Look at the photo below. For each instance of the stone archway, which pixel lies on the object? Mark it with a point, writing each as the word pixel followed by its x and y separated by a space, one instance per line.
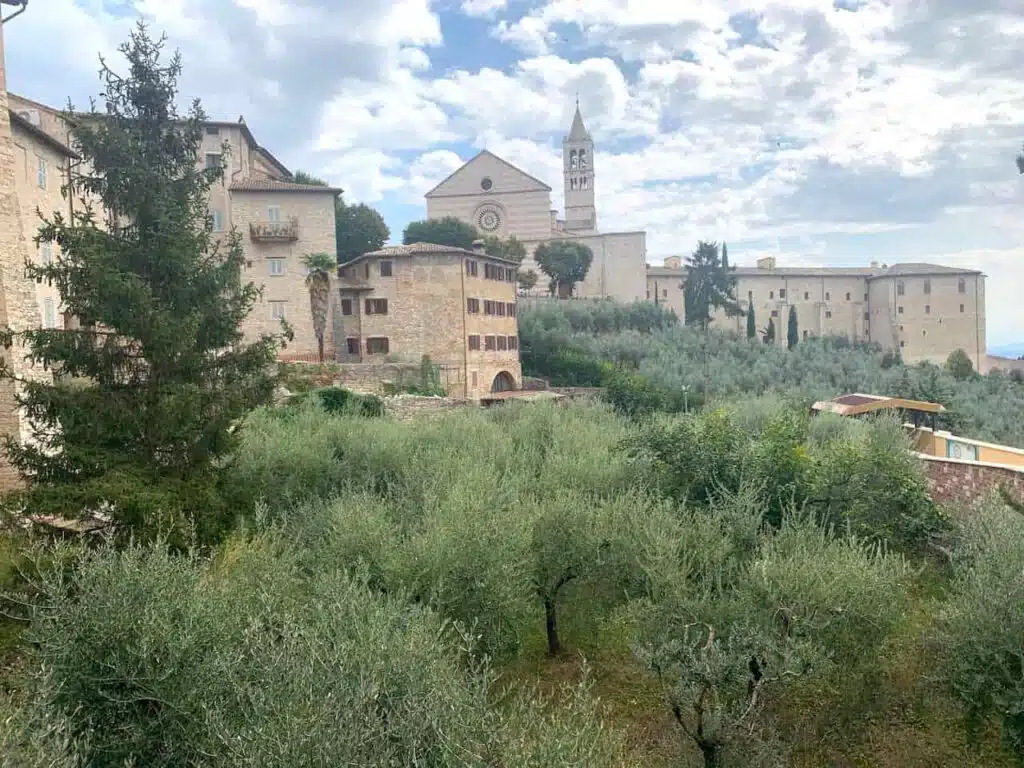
pixel 503 382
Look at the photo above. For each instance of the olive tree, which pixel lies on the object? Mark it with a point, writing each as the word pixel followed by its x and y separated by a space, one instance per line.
pixel 722 644
pixel 981 630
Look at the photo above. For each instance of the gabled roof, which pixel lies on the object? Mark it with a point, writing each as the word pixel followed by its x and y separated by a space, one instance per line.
pixel 272 185
pixel 414 249
pixel 487 153
pixel 42 136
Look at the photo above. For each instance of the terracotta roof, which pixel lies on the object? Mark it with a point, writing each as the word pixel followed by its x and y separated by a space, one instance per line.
pixel 413 249
pixel 923 269
pixel 42 136
pixel 270 185
pixel 858 403
pixel 870 273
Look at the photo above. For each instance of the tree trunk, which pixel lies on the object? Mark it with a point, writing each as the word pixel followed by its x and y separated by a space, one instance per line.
pixel 320 347
pixel 712 752
pixel 551 625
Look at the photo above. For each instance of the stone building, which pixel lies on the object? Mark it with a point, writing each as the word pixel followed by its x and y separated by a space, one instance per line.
pixel 458 307
pixel 279 221
pixel 499 199
pixel 926 311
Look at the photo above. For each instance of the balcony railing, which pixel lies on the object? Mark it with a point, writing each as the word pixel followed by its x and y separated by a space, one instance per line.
pixel 274 231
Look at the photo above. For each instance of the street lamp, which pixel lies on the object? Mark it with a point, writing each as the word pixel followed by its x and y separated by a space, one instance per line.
pixel 22 5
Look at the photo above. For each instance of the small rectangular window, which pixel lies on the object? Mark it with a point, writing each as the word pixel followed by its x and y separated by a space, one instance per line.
pixel 775 313
pixel 847 295
pixel 488 307
pixel 213 160
pixel 489 343
pixel 352 345
pixel 277 310
pixel 867 316
pixel 46 254
pixel 474 343
pixel 782 293
pixel 771 294
pixel 377 345
pixel 961 286
pixel 513 342
pixel 376 306
pixel 927 309
pixel 274 213
pixel 49 314
pixel 828 295
pixel 471 268
pixel 346 306
pixel 502 343
pixel 511 309
pixel 902 343
pixel 212 130
pixel 901 289
pixel 664 293
pixel 218 220
pixel 385 268
pixel 499 308
pixel 961 309
pixel 865 297
pixel 276 267
pixel 927 286
pixel 828 314
pixel 899 309
pixel 806 296
pixel 41 173
pixel 473 306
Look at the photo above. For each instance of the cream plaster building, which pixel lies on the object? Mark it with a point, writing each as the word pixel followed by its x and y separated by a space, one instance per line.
pixel 499 199
pixel 926 311
pixel 279 221
pixel 456 306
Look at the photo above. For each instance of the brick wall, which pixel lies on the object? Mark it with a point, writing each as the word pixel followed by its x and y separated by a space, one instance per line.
pixel 964 483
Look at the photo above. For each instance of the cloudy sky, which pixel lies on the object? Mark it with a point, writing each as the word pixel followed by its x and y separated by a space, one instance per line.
pixel 826 131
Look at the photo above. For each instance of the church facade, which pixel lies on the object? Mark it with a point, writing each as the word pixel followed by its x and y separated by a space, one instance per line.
pixel 499 199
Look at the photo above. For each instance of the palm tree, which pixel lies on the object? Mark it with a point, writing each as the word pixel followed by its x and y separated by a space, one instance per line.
pixel 318 280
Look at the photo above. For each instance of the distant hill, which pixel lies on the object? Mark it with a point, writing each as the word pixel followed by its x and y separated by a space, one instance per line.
pixel 1007 350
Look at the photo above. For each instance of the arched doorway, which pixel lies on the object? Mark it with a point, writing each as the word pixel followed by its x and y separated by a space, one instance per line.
pixel 503 382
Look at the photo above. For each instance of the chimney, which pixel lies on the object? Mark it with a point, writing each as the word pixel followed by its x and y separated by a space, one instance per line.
pixel 478 247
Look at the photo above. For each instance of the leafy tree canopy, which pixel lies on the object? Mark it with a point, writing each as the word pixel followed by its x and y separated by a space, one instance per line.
pixel 710 285
pixel 302 177
pixel 527 280
pixel 959 365
pixel 359 228
pixel 511 249
pixel 566 262
pixel 147 389
pixel 449 231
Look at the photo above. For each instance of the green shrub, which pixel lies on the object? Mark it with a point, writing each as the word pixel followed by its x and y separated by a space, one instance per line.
pixel 981 629
pixel 252 660
pixel 341 400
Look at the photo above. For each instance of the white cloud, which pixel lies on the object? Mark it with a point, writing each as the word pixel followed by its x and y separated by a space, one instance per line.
pixel 725 119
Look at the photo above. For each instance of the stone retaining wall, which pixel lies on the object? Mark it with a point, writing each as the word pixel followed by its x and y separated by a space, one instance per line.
pixel 964 483
pixel 408 408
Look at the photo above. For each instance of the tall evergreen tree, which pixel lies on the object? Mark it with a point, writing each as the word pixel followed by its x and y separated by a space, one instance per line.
pixel 147 389
pixel 751 323
pixel 792 332
pixel 710 285
pixel 769 333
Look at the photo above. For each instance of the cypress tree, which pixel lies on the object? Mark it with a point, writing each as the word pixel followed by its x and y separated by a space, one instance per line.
pixel 751 323
pixel 150 382
pixel 792 333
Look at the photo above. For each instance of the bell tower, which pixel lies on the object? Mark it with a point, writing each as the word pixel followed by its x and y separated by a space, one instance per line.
pixel 578 169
